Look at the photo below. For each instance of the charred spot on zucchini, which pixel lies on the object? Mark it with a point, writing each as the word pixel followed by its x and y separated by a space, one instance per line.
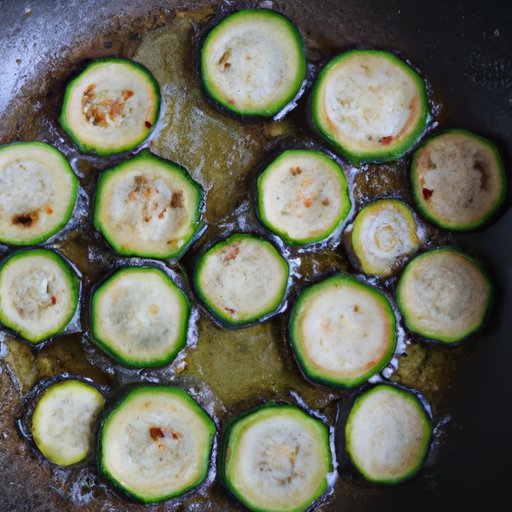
pixel 276 458
pixel 458 180
pixel 140 317
pixel 64 421
pixel 155 443
pixel 241 280
pixel 303 196
pixel 342 331
pixel 148 207
pixel 253 62
pixel 388 434
pixel 444 295
pixel 38 294
pixel 370 105
pixel 38 192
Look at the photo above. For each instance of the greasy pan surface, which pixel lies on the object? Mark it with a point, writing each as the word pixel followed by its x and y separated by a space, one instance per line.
pixel 465 51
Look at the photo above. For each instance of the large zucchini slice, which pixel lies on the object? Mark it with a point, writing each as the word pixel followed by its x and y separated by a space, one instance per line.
pixel 64 421
pixel 241 279
pixel 253 62
pixel 155 443
pixel 458 180
pixel 38 294
pixel 342 331
pixel 303 196
pixel 37 192
pixel 111 106
pixel 383 235
pixel 370 105
pixel 276 458
pixel 444 295
pixel 148 207
pixel 140 317
pixel 388 434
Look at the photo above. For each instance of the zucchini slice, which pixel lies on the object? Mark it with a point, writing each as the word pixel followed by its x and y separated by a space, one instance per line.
pixel 370 105
pixel 383 235
pixel 64 421
pixel 111 106
pixel 148 207
pixel 241 279
pixel 277 458
pixel 38 294
pixel 444 295
pixel 388 434
pixel 458 180
pixel 253 62
pixel 38 192
pixel 155 443
pixel 342 331
pixel 140 317
pixel 303 196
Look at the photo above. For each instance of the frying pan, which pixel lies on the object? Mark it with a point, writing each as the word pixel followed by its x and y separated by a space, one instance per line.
pixel 465 50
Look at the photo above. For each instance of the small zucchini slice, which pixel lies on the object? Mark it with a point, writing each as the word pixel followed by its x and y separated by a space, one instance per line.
pixel 140 317
pixel 370 105
pixel 253 62
pixel 111 106
pixel 388 434
pixel 303 196
pixel 64 421
pixel 276 458
pixel 342 331
pixel 383 235
pixel 38 294
pixel 155 443
pixel 148 207
pixel 444 295
pixel 241 280
pixel 458 180
pixel 38 192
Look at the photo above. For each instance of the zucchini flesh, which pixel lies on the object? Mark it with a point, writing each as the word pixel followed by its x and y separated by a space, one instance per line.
pixel 111 107
pixel 64 421
pixel 253 62
pixel 38 192
pixel 444 295
pixel 458 180
pixel 388 434
pixel 342 331
pixel 155 443
pixel 241 279
pixel 277 458
pixel 38 294
pixel 148 207
pixel 303 196
pixel 370 105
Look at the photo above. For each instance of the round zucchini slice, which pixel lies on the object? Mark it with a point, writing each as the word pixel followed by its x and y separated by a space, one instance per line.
pixel 444 295
pixel 140 317
pixel 253 62
pixel 38 294
pixel 388 434
pixel 64 421
pixel 155 443
pixel 277 458
pixel 370 105
pixel 111 106
pixel 383 235
pixel 342 331
pixel 241 279
pixel 38 192
pixel 303 196
pixel 148 207
pixel 458 180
